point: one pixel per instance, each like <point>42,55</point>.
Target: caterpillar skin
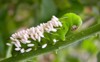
<point>45,34</point>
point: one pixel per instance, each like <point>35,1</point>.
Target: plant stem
<point>69,39</point>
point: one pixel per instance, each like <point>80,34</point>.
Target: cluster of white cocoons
<point>35,33</point>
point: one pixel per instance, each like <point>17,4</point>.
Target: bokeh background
<point>21,14</point>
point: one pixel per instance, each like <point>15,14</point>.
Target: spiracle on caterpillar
<point>34,34</point>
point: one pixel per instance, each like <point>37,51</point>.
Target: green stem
<point>69,39</point>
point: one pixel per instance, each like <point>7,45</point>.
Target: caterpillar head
<point>72,20</point>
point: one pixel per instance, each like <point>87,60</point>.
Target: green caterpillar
<point>45,34</point>
<point>70,22</point>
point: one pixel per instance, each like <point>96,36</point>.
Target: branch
<point>69,39</point>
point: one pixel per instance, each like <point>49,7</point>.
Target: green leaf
<point>98,57</point>
<point>1,48</point>
<point>47,9</point>
<point>89,45</point>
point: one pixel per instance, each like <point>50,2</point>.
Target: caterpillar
<point>45,34</point>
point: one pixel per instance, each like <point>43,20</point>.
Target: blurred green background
<point>21,14</point>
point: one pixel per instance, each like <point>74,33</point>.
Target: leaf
<point>89,46</point>
<point>47,9</point>
<point>1,48</point>
<point>98,57</point>
<point>3,28</point>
